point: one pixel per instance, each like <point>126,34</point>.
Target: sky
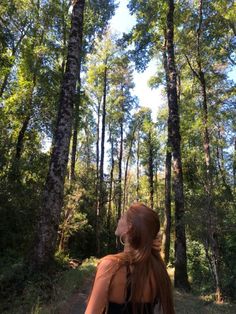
<point>122,22</point>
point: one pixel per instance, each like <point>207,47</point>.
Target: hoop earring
<point>121,240</point>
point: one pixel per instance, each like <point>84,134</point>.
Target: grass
<point>45,294</point>
<point>187,303</point>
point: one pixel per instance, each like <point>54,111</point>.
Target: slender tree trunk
<point>110,190</point>
<point>220,159</point>
<point>15,169</point>
<point>210,212</point>
<point>97,181</point>
<point>64,39</point>
<point>234,164</point>
<point>127,164</point>
<point>49,219</point>
<point>180,276</point>
<point>211,219</point>
<point>101,169</point>
<point>167,221</point>
<point>120,170</point>
<point>137,167</point>
<point>75,129</point>
<point>88,147</point>
<point>150,170</point>
<point>103,125</point>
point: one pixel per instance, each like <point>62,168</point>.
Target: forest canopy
<point>77,147</point>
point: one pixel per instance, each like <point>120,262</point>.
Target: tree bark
<point>180,276</point>
<point>75,129</point>
<point>127,163</point>
<point>97,183</point>
<point>110,190</point>
<point>50,213</point>
<point>210,212</point>
<point>101,169</point>
<point>103,125</point>
<point>120,170</point>
<point>150,170</point>
<point>234,164</point>
<point>167,221</point>
<point>137,168</point>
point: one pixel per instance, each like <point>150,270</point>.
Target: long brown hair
<point>145,259</point>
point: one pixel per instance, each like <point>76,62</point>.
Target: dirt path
<point>184,303</point>
<point>77,302</point>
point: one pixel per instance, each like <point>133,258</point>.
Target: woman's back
<point>119,289</point>
<point>133,281</point>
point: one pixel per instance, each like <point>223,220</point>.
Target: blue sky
<point>122,22</point>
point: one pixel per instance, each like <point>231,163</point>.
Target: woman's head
<point>143,225</point>
<point>139,226</point>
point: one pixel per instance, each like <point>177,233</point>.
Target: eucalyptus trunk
<point>137,168</point>
<point>127,164</point>
<point>234,164</point>
<point>150,170</point>
<point>109,213</point>
<point>120,170</point>
<point>97,180</point>
<point>50,212</point>
<point>167,221</point>
<point>211,225</point>
<point>101,202</point>
<point>180,276</point>
<point>75,128</point>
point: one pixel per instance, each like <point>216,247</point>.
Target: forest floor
<point>185,303</point>
<point>71,289</point>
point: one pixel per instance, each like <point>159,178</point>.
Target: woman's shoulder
<point>111,259</point>
<point>108,265</point>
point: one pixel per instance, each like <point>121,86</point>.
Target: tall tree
<point>49,219</point>
<point>181,276</point>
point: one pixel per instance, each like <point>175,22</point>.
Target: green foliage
<point>42,293</point>
<point>33,36</point>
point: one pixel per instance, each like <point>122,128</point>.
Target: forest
<point>77,148</point>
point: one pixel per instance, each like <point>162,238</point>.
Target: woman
<point>136,280</point>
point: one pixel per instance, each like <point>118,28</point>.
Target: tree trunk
<point>167,221</point>
<point>109,214</point>
<point>210,212</point>
<point>50,213</point>
<point>75,129</point>
<point>15,170</point>
<point>150,170</point>
<point>101,169</point>
<point>120,171</point>
<point>137,168</point>
<point>97,183</point>
<point>180,276</point>
<point>127,164</point>
<point>21,135</point>
<point>234,164</point>
<point>103,126</point>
